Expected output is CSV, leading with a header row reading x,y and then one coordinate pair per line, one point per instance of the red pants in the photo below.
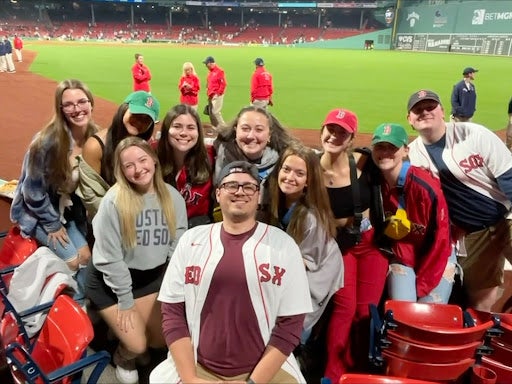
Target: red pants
x,y
365,270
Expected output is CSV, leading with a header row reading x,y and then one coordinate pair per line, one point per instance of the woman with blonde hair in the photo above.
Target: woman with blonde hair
x,y
189,86
300,206
45,206
137,227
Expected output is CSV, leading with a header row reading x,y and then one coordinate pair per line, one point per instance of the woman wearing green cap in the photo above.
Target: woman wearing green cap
x,y
136,116
416,230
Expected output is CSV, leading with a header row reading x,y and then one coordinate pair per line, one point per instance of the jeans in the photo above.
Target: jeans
x,y
401,283
68,252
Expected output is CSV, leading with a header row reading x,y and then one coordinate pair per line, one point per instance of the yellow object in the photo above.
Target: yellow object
x,y
398,226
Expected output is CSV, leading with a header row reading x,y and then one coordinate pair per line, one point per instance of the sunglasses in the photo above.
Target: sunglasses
x,y
418,109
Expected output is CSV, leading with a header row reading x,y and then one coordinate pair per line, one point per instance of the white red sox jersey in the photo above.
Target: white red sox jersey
x,y
275,275
474,155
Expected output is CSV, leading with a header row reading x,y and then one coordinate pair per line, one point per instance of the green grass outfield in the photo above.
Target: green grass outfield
x,y
308,82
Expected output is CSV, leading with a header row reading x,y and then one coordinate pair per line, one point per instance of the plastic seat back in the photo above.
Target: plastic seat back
x,y
359,378
434,324
15,248
66,333
426,314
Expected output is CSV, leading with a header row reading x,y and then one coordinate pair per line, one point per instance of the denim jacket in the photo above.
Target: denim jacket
x,y
35,201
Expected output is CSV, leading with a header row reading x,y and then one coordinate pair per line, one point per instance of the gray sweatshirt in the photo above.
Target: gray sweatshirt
x,y
154,242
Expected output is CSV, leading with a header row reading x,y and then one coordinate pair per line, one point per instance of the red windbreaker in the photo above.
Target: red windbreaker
x,y
189,93
141,76
216,82
261,84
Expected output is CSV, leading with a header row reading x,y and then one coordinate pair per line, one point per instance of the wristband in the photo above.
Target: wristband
x,y
250,381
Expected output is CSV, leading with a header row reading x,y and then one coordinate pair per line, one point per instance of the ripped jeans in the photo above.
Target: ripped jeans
x,y
401,282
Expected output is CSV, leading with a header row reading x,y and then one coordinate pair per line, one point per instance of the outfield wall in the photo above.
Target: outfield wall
x,y
481,27
381,40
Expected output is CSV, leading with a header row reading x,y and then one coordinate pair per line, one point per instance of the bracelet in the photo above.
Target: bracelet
x,y
250,381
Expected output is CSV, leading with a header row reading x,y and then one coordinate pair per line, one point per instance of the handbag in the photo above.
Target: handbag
x,y
16,248
206,109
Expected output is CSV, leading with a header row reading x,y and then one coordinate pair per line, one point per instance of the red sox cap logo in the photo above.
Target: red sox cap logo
x,y
387,130
340,115
149,102
422,94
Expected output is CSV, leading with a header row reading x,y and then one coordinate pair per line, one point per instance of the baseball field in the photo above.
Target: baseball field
x,y
308,82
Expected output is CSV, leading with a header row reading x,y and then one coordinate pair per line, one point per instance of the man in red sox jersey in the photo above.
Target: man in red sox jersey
x,y
475,170
215,89
239,272
261,85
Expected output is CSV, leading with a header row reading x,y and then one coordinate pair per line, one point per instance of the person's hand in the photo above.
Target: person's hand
x,y
125,319
60,236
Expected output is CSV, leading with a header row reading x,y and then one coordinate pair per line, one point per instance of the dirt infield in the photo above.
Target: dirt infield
x,y
27,105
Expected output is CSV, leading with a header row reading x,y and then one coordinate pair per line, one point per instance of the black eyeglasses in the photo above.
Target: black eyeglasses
x,y
70,107
234,186
417,109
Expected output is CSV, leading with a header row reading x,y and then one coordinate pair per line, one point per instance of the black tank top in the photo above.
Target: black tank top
x,y
342,201
102,145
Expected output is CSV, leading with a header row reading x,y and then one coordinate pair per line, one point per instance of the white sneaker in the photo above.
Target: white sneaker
x,y
126,371
127,376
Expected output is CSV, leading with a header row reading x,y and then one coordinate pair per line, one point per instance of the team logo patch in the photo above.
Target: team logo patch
x,y
422,94
340,115
149,102
387,130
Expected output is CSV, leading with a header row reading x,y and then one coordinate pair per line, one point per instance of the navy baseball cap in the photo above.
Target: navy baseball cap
x,y
238,167
423,94
259,61
469,70
209,60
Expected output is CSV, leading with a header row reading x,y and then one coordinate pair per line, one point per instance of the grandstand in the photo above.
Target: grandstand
x,y
187,22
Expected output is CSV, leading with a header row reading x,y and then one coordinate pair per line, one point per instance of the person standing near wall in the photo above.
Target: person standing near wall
x,y
3,63
141,74
18,46
216,86
509,126
261,85
464,97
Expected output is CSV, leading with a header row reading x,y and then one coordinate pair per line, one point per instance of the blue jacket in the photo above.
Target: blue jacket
x,y
463,100
8,46
2,48
36,202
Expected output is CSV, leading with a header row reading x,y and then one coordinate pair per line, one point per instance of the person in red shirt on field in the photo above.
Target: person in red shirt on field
x,y
216,86
141,74
18,46
261,85
189,86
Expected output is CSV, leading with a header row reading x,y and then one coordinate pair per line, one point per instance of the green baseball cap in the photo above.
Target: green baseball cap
x,y
390,133
144,103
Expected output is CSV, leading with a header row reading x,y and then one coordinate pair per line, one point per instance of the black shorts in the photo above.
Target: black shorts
x,y
143,283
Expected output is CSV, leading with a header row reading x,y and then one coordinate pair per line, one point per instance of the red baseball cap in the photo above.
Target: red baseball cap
x,y
342,117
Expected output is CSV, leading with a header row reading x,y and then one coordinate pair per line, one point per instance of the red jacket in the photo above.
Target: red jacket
x,y
141,76
216,82
261,85
427,247
18,43
189,93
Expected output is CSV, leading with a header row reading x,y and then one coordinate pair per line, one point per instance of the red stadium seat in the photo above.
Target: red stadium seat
x,y
15,248
57,353
356,378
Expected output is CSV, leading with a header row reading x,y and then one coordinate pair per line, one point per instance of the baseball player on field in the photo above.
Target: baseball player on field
x,y
234,296
475,170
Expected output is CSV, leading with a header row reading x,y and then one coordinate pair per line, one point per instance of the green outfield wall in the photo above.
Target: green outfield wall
x,y
483,27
